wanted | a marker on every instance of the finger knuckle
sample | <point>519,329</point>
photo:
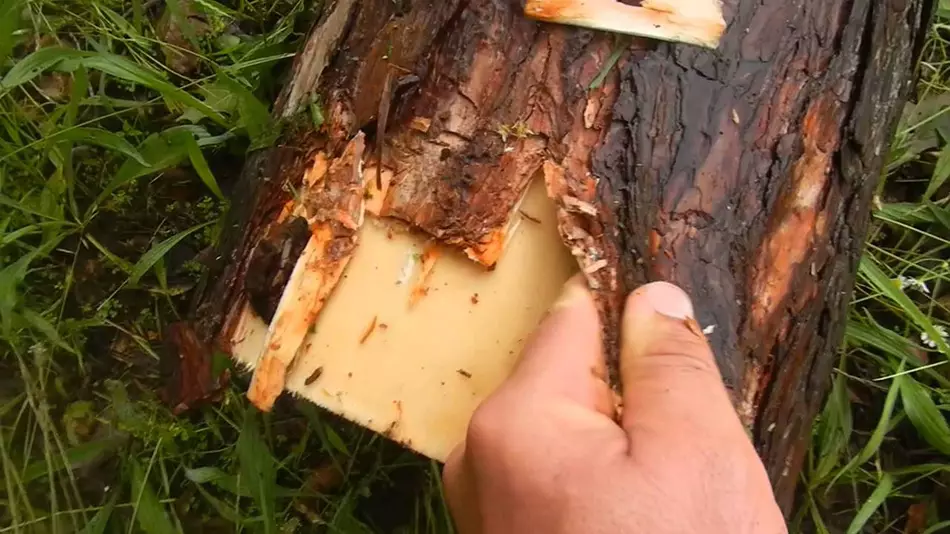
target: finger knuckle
<point>485,429</point>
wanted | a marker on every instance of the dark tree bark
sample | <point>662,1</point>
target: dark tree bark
<point>744,174</point>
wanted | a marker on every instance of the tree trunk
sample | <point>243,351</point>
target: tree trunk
<point>744,174</point>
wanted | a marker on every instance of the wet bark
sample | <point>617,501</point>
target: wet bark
<point>743,174</point>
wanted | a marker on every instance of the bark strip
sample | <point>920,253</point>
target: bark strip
<point>332,205</point>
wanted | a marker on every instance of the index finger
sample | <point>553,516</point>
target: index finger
<point>565,357</point>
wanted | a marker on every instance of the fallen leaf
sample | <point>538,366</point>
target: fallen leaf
<point>916,518</point>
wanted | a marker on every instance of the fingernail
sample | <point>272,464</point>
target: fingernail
<point>667,299</point>
<point>575,291</point>
<point>642,320</point>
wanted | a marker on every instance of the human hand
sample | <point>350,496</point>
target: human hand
<point>545,453</point>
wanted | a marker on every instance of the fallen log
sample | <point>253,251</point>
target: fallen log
<point>744,174</point>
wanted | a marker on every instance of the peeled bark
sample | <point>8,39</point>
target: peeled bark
<point>744,174</point>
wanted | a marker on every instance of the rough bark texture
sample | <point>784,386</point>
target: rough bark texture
<point>743,174</point>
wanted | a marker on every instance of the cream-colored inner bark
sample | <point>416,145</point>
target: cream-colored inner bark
<point>422,371</point>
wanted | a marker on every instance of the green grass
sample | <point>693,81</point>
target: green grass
<point>880,458</point>
<point>120,126</point>
<point>122,129</point>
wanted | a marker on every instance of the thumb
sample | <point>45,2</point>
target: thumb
<point>668,371</point>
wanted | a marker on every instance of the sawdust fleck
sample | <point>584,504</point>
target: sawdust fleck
<point>533,219</point>
<point>317,373</point>
<point>369,330</point>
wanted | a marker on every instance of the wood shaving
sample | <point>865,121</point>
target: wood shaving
<point>596,266</point>
<point>578,205</point>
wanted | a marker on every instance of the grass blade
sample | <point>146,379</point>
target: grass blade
<point>229,483</point>
<point>221,507</point>
<point>258,471</point>
<point>834,429</point>
<point>109,255</point>
<point>618,51</point>
<point>9,23</point>
<point>924,414</point>
<point>35,64</point>
<point>10,278</point>
<point>904,212</point>
<point>870,506</point>
<point>336,441</point>
<point>102,138</point>
<point>203,475</point>
<point>43,326</point>
<point>20,206</point>
<point>880,431</point>
<point>871,334</point>
<point>941,215</point>
<point>200,165</point>
<point>162,151</point>
<point>9,237</point>
<point>254,116</point>
<point>876,277</point>
<point>75,457</point>
<point>52,57</point>
<point>149,512</point>
<point>940,174</point>
<point>157,252</point>
<point>124,69</point>
<point>939,527</point>
<point>98,523</point>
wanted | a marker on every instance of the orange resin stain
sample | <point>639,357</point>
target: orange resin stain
<point>799,217</point>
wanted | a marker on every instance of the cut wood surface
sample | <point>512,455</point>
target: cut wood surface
<point>697,22</point>
<point>743,173</point>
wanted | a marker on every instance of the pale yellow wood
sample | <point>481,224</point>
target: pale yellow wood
<point>698,22</point>
<point>422,371</point>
